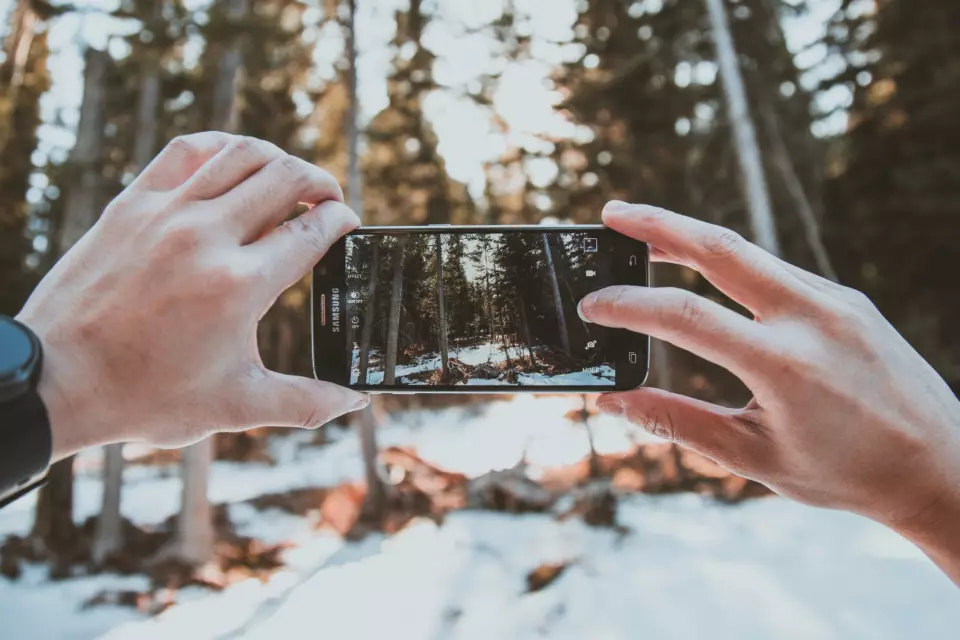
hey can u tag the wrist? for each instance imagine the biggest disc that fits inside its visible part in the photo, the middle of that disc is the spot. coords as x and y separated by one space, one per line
66 390
934 525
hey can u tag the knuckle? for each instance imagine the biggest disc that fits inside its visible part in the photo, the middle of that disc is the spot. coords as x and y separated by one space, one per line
312 230
680 307
183 144
180 239
659 425
246 145
292 169
723 244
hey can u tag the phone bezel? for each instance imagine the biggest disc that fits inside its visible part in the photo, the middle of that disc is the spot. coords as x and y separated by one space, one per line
439 229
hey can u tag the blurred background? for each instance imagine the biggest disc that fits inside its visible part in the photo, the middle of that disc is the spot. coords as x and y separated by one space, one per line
824 130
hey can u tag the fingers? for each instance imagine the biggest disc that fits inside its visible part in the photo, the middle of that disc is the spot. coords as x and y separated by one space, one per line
743 271
686 320
262 201
715 432
180 160
289 252
279 400
236 162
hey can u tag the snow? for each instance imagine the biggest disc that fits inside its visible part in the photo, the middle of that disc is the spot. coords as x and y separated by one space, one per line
687 568
492 353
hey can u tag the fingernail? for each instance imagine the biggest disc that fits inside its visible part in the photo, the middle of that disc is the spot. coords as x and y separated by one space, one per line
617 206
586 305
361 403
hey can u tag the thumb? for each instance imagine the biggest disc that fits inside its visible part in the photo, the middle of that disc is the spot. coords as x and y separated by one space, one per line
279 400
715 432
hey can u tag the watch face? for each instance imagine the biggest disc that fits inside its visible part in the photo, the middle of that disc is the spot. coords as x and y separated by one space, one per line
16 350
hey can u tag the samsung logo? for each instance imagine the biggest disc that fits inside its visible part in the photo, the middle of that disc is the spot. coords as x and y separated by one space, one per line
335 310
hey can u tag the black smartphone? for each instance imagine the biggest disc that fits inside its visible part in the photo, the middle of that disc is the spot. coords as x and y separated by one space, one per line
468 309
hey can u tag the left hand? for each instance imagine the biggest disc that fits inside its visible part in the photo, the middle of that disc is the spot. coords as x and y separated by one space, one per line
149 324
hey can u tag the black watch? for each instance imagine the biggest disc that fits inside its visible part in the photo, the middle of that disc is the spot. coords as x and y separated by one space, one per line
26 443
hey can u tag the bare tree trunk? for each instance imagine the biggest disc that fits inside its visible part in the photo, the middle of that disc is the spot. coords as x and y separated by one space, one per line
785 166
367 423
354 177
16 49
84 199
594 462
53 525
393 329
367 332
442 312
194 542
108 536
662 370
522 306
754 179
558 301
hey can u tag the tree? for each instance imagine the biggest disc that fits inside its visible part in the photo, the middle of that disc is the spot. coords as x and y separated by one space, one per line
442 307
393 324
108 536
23 80
894 196
54 524
195 536
754 178
558 301
369 309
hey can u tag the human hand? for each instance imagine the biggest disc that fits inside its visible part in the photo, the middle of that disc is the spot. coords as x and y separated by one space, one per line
149 323
845 413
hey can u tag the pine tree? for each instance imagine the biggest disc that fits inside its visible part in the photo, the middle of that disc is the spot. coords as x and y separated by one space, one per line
23 80
895 197
402 163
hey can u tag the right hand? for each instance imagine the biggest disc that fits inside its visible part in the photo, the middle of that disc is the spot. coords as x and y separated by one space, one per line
845 413
149 324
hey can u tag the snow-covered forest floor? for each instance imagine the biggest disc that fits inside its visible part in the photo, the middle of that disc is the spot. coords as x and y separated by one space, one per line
489 355
680 566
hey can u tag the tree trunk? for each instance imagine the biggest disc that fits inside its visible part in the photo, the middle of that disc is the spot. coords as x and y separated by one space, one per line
788 173
375 501
370 312
354 176
525 325
16 49
442 312
53 524
754 179
108 536
194 542
393 329
660 364
195 535
83 199
558 301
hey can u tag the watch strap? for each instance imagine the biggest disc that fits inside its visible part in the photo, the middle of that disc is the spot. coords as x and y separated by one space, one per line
26 443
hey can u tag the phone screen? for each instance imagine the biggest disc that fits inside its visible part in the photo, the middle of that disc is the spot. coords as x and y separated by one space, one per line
477 309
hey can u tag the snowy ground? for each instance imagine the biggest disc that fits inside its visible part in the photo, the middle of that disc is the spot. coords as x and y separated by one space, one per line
490 353
688 567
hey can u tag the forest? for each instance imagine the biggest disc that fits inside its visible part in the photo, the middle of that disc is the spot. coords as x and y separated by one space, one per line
475 309
825 131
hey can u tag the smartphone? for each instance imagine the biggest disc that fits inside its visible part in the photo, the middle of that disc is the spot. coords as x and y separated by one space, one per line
475 309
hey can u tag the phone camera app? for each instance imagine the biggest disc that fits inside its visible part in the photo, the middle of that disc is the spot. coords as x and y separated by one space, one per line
590 245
